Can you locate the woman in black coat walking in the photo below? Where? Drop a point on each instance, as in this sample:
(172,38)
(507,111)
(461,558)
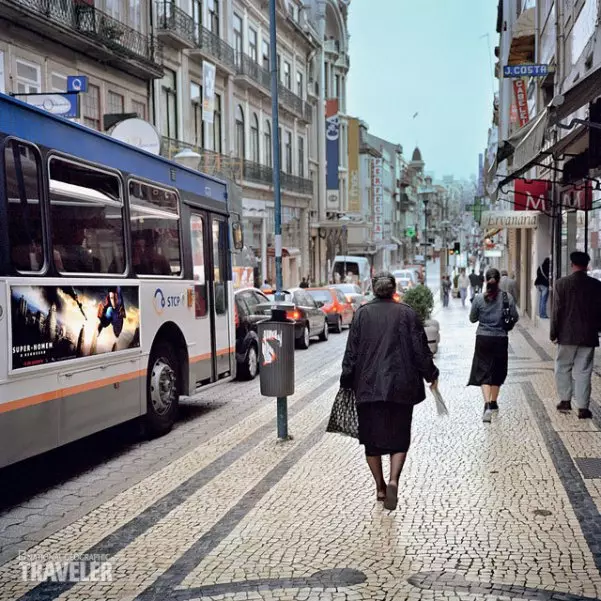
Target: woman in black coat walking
(386,361)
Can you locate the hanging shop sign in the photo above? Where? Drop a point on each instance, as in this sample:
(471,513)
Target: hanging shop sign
(513,71)
(578,197)
(531,195)
(354,191)
(509,219)
(208,91)
(377,182)
(521,101)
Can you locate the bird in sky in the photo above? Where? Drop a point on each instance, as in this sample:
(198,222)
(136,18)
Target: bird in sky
(415,115)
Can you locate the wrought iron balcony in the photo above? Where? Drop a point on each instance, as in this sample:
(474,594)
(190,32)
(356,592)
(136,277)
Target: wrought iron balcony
(308,112)
(257,173)
(291,101)
(214,47)
(250,69)
(293,183)
(175,25)
(82,27)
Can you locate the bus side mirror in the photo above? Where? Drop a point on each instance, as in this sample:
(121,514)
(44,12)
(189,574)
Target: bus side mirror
(238,235)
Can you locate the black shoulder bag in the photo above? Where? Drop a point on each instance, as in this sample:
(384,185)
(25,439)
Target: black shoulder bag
(508,320)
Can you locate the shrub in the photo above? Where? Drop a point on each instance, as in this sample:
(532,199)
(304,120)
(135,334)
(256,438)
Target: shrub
(421,300)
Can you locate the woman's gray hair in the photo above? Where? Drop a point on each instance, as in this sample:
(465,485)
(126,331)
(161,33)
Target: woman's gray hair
(384,284)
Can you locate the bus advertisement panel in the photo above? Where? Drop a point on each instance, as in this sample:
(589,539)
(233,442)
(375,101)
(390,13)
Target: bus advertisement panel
(57,323)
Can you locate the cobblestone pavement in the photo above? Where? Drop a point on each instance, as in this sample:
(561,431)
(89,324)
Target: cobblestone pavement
(219,510)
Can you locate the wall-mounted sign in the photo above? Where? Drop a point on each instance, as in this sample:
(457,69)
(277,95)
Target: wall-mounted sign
(354,191)
(138,133)
(521,101)
(527,70)
(208,92)
(332,144)
(577,197)
(509,219)
(77,83)
(63,105)
(531,195)
(377,183)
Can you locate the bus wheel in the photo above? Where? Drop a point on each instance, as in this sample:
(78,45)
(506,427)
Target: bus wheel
(162,390)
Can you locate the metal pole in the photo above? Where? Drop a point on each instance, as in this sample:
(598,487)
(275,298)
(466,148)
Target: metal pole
(282,402)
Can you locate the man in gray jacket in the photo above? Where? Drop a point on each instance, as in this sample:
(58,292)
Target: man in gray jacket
(575,325)
(508,285)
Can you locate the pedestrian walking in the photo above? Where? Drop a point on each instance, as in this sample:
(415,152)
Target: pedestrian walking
(474,283)
(386,361)
(508,284)
(491,310)
(542,285)
(575,325)
(463,284)
(266,286)
(446,290)
(304,283)
(481,280)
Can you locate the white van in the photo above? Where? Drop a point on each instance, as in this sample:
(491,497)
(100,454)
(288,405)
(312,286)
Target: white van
(359,268)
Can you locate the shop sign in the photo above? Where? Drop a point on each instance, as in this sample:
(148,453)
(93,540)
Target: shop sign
(526,70)
(332,145)
(578,197)
(521,101)
(531,195)
(377,182)
(354,192)
(509,219)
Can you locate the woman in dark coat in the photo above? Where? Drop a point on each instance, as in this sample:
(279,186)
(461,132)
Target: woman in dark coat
(489,366)
(386,361)
(542,285)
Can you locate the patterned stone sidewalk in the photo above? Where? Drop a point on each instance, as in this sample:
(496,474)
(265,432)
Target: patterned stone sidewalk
(499,511)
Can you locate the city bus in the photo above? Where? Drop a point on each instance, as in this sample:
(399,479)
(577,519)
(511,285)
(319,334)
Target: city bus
(116,292)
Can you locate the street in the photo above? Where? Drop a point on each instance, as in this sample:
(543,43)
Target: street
(218,509)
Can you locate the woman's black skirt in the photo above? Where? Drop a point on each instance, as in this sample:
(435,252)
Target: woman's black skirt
(490,361)
(384,428)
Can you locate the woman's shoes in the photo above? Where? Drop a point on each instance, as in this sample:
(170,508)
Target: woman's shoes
(392,497)
(487,416)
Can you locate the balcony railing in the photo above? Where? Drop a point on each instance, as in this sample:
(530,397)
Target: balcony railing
(308,112)
(257,173)
(93,23)
(248,67)
(174,20)
(293,183)
(212,44)
(290,100)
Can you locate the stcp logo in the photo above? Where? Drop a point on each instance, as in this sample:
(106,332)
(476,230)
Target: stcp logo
(159,301)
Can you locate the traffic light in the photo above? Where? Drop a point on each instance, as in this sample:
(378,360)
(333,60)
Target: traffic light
(451,252)
(457,248)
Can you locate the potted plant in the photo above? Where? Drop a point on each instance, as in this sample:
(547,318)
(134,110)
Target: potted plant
(421,300)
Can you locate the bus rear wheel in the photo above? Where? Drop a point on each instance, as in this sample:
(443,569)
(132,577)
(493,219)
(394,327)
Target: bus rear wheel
(162,390)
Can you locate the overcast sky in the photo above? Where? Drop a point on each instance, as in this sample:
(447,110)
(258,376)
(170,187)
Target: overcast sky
(426,57)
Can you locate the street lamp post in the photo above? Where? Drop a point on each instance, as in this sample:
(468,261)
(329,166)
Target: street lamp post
(426,200)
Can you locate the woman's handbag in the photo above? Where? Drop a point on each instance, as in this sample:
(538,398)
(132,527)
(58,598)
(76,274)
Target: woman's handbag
(508,320)
(343,418)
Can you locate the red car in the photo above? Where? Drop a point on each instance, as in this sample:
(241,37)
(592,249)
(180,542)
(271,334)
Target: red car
(339,311)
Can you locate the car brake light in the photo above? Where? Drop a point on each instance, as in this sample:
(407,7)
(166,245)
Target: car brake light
(397,297)
(236,316)
(328,308)
(294,315)
(349,299)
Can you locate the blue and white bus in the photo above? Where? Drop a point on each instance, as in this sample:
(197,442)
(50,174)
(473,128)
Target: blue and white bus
(115,283)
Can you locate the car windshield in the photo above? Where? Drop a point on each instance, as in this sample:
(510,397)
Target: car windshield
(347,288)
(325,296)
(287,296)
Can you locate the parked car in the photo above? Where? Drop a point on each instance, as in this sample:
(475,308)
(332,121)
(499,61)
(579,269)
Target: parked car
(353,294)
(310,319)
(246,317)
(339,311)
(407,277)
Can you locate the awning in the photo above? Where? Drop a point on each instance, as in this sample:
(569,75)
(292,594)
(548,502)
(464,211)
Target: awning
(508,146)
(531,144)
(581,93)
(492,232)
(522,47)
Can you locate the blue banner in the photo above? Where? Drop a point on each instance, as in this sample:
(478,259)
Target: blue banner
(332,144)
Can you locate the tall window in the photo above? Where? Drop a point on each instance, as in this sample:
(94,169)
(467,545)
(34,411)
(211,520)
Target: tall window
(196,100)
(265,54)
(254,138)
(29,79)
(197,17)
(301,156)
(113,8)
(253,49)
(326,81)
(58,82)
(288,151)
(299,84)
(135,15)
(238,39)
(115,103)
(287,75)
(337,86)
(239,140)
(213,6)
(169,104)
(139,108)
(217,124)
(90,107)
(268,145)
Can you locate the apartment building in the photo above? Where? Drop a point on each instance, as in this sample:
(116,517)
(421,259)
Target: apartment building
(548,158)
(110,41)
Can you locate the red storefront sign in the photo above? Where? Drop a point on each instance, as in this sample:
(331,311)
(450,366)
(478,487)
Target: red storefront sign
(531,195)
(521,101)
(578,197)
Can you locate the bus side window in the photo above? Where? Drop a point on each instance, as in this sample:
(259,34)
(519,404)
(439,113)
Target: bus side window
(23,193)
(86,212)
(155,230)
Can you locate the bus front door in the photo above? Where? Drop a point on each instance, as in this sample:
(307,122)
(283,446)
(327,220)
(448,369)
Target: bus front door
(220,290)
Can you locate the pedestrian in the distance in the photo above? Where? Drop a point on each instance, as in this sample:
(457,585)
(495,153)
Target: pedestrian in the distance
(481,280)
(464,284)
(575,325)
(474,282)
(542,285)
(446,290)
(508,284)
(304,283)
(489,366)
(386,361)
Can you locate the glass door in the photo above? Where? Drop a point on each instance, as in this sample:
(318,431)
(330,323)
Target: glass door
(220,290)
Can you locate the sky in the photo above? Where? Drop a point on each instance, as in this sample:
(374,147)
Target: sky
(426,57)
